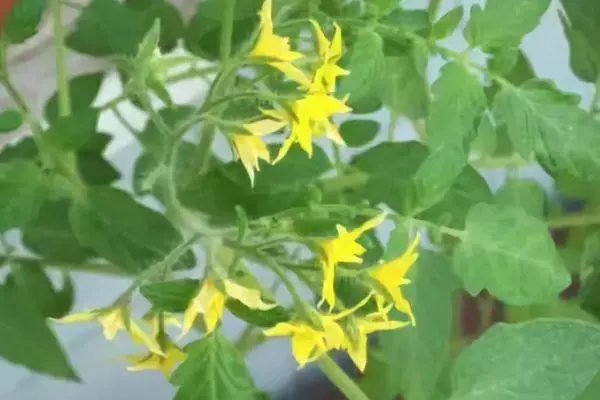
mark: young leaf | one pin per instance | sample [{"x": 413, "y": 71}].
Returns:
[
  {"x": 10, "y": 120},
  {"x": 511, "y": 254},
  {"x": 582, "y": 28},
  {"x": 30, "y": 278},
  {"x": 551, "y": 359},
  {"x": 170, "y": 296},
  {"x": 448, "y": 23},
  {"x": 359, "y": 132},
  {"x": 171, "y": 22},
  {"x": 22, "y": 193},
  {"x": 107, "y": 28},
  {"x": 22, "y": 20},
  {"x": 366, "y": 63},
  {"x": 260, "y": 318},
  {"x": 207, "y": 372},
  {"x": 458, "y": 99},
  {"x": 524, "y": 193},
  {"x": 134, "y": 243},
  {"x": 51, "y": 236},
  {"x": 404, "y": 89},
  {"x": 83, "y": 90},
  {"x": 411, "y": 359},
  {"x": 503, "y": 23},
  {"x": 542, "y": 120},
  {"x": 26, "y": 340}
]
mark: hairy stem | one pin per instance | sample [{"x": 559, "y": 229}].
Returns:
[{"x": 62, "y": 78}]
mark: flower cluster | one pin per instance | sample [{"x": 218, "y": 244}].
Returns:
[{"x": 307, "y": 116}]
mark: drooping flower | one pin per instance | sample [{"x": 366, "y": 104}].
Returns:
[
  {"x": 330, "y": 53},
  {"x": 357, "y": 348},
  {"x": 311, "y": 115},
  {"x": 249, "y": 146},
  {"x": 210, "y": 302},
  {"x": 114, "y": 319},
  {"x": 343, "y": 248},
  {"x": 276, "y": 49},
  {"x": 165, "y": 362},
  {"x": 391, "y": 275}
]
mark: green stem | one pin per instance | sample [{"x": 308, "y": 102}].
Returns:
[
  {"x": 62, "y": 79},
  {"x": 336, "y": 375},
  {"x": 574, "y": 220},
  {"x": 226, "y": 30},
  {"x": 115, "y": 110}
]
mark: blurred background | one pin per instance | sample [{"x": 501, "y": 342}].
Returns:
[{"x": 271, "y": 365}]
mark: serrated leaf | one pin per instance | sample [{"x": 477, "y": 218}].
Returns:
[
  {"x": 30, "y": 279},
  {"x": 447, "y": 23},
  {"x": 366, "y": 63},
  {"x": 10, "y": 120},
  {"x": 581, "y": 24},
  {"x": 458, "y": 100},
  {"x": 22, "y": 20},
  {"x": 22, "y": 193},
  {"x": 26, "y": 340},
  {"x": 83, "y": 90},
  {"x": 411, "y": 359},
  {"x": 404, "y": 89},
  {"x": 51, "y": 236},
  {"x": 511, "y": 254},
  {"x": 552, "y": 359},
  {"x": 503, "y": 23},
  {"x": 134, "y": 243},
  {"x": 213, "y": 370},
  {"x": 170, "y": 296},
  {"x": 94, "y": 36},
  {"x": 523, "y": 193},
  {"x": 359, "y": 132},
  {"x": 546, "y": 122}
]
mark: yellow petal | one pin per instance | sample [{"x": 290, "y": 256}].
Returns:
[
  {"x": 292, "y": 72},
  {"x": 304, "y": 345},
  {"x": 144, "y": 362},
  {"x": 322, "y": 41},
  {"x": 112, "y": 322},
  {"x": 250, "y": 297},
  {"x": 265, "y": 126},
  {"x": 86, "y": 316},
  {"x": 335, "y": 50},
  {"x": 173, "y": 357},
  {"x": 214, "y": 314},
  {"x": 369, "y": 326},
  {"x": 358, "y": 352},
  {"x": 328, "y": 293},
  {"x": 285, "y": 147},
  {"x": 335, "y": 338},
  {"x": 249, "y": 149},
  {"x": 393, "y": 272},
  {"x": 139, "y": 336},
  {"x": 189, "y": 317},
  {"x": 401, "y": 303},
  {"x": 369, "y": 224},
  {"x": 281, "y": 329},
  {"x": 266, "y": 22}
]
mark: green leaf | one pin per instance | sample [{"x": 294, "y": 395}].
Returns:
[
  {"x": 107, "y": 28},
  {"x": 404, "y": 89},
  {"x": 30, "y": 278},
  {"x": 73, "y": 132},
  {"x": 410, "y": 360},
  {"x": 365, "y": 60},
  {"x": 359, "y": 132},
  {"x": 458, "y": 100},
  {"x": 171, "y": 22},
  {"x": 447, "y": 23},
  {"x": 542, "y": 120},
  {"x": 170, "y": 296},
  {"x": 511, "y": 254},
  {"x": 10, "y": 120},
  {"x": 263, "y": 319},
  {"x": 485, "y": 142},
  {"x": 202, "y": 35},
  {"x": 437, "y": 174},
  {"x": 22, "y": 193},
  {"x": 51, "y": 236},
  {"x": 134, "y": 243},
  {"x": 83, "y": 90},
  {"x": 26, "y": 340},
  {"x": 523, "y": 193},
  {"x": 503, "y": 23},
  {"x": 582, "y": 28},
  {"x": 383, "y": 6},
  {"x": 22, "y": 20},
  {"x": 551, "y": 359},
  {"x": 24, "y": 149},
  {"x": 94, "y": 169},
  {"x": 207, "y": 372}
]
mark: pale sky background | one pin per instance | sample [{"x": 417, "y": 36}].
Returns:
[{"x": 271, "y": 365}]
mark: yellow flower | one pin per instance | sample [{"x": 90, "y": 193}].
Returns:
[
  {"x": 210, "y": 302},
  {"x": 114, "y": 319},
  {"x": 343, "y": 248},
  {"x": 311, "y": 114},
  {"x": 309, "y": 343},
  {"x": 166, "y": 362},
  {"x": 357, "y": 348},
  {"x": 249, "y": 148},
  {"x": 391, "y": 275},
  {"x": 330, "y": 53},
  {"x": 276, "y": 49}
]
